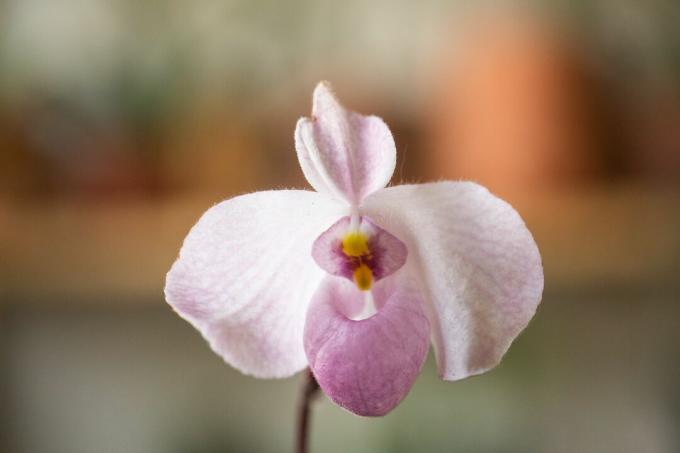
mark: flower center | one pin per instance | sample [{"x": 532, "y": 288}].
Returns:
[
  {"x": 355, "y": 244},
  {"x": 355, "y": 247},
  {"x": 360, "y": 251},
  {"x": 363, "y": 277}
]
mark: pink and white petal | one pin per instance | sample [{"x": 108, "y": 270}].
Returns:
[
  {"x": 342, "y": 153},
  {"x": 366, "y": 366},
  {"x": 244, "y": 277},
  {"x": 480, "y": 268}
]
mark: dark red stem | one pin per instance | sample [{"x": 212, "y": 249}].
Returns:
[{"x": 309, "y": 391}]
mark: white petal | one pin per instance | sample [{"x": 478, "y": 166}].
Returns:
[
  {"x": 479, "y": 265},
  {"x": 342, "y": 153},
  {"x": 245, "y": 276}
]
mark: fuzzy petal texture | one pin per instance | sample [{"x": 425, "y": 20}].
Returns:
[
  {"x": 244, "y": 277},
  {"x": 342, "y": 153},
  {"x": 388, "y": 253},
  {"x": 366, "y": 366},
  {"x": 479, "y": 267}
]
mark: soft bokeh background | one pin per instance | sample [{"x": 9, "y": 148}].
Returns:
[{"x": 121, "y": 121}]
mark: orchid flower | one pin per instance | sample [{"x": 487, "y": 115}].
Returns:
[{"x": 355, "y": 280}]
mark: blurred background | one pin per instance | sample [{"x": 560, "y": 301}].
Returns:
[{"x": 121, "y": 121}]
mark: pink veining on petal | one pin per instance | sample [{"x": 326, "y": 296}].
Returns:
[
  {"x": 244, "y": 277},
  {"x": 479, "y": 266},
  {"x": 342, "y": 153},
  {"x": 387, "y": 252},
  {"x": 366, "y": 366}
]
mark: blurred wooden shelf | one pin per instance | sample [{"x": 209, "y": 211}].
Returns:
[{"x": 118, "y": 252}]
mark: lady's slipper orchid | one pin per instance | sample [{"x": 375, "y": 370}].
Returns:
[{"x": 355, "y": 280}]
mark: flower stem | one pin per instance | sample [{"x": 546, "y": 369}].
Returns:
[{"x": 309, "y": 391}]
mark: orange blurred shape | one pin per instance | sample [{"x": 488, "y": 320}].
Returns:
[
  {"x": 213, "y": 152},
  {"x": 515, "y": 109}
]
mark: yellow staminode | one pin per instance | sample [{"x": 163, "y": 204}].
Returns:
[
  {"x": 355, "y": 244},
  {"x": 363, "y": 277}
]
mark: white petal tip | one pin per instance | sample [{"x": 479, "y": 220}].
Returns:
[{"x": 323, "y": 98}]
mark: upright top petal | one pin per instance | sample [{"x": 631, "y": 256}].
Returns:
[{"x": 342, "y": 153}]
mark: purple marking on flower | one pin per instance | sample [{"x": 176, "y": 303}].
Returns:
[
  {"x": 366, "y": 366},
  {"x": 385, "y": 254},
  {"x": 258, "y": 274}
]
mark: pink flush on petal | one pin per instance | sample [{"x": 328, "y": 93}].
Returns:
[
  {"x": 366, "y": 366},
  {"x": 363, "y": 253},
  {"x": 344, "y": 154}
]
